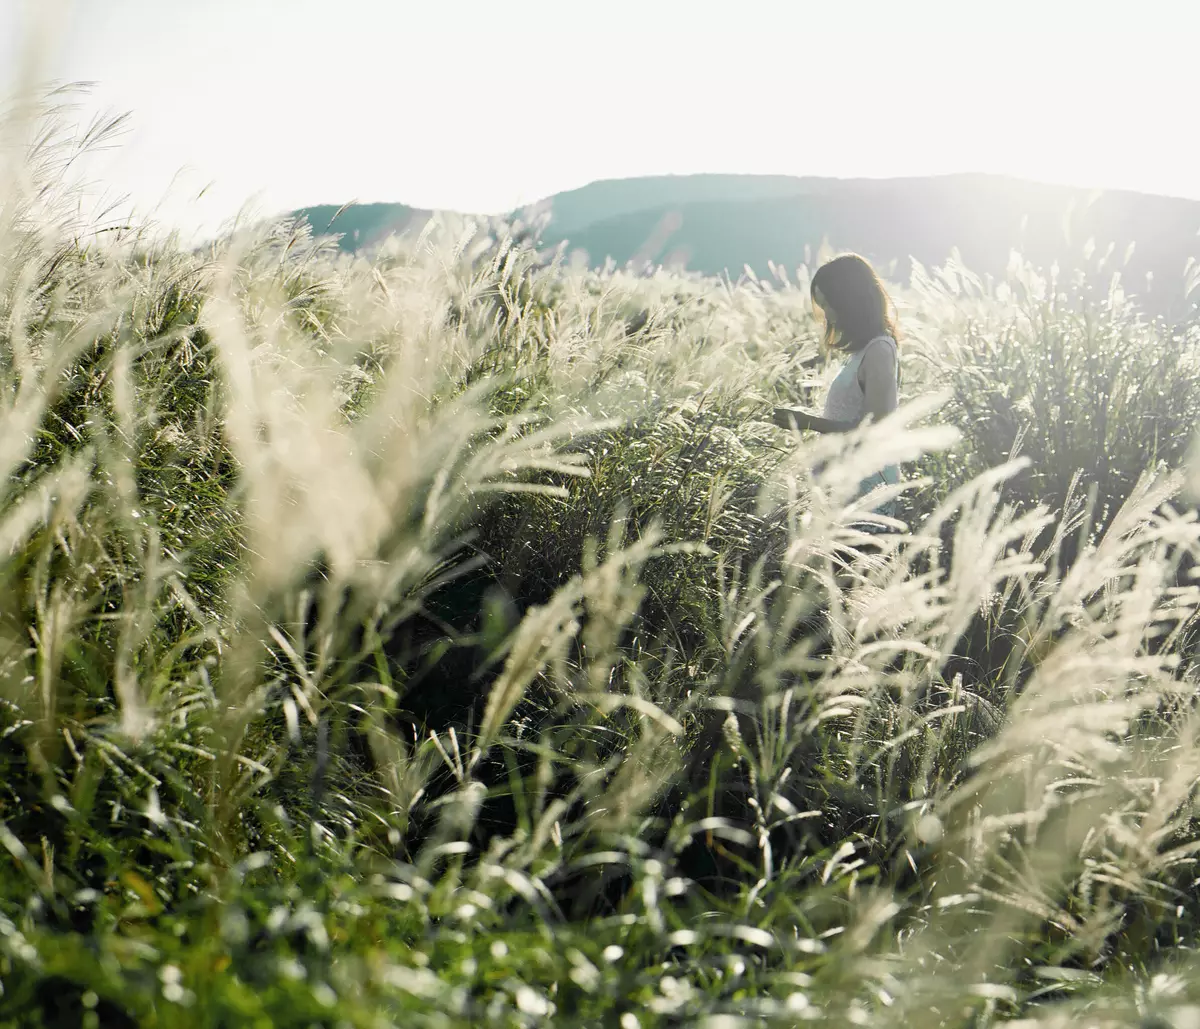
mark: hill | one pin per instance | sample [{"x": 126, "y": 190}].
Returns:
[
  {"x": 577, "y": 209},
  {"x": 721, "y": 223},
  {"x": 362, "y": 226}
]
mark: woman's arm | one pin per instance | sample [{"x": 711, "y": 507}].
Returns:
[
  {"x": 795, "y": 418},
  {"x": 878, "y": 377}
]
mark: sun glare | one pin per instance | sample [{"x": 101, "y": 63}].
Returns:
[{"x": 386, "y": 102}]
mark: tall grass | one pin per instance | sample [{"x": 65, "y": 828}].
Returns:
[{"x": 449, "y": 639}]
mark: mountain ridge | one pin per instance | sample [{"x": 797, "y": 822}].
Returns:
[{"x": 713, "y": 224}]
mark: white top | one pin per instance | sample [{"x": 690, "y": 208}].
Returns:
[{"x": 846, "y": 401}]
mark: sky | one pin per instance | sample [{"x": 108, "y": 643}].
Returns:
[{"x": 484, "y": 105}]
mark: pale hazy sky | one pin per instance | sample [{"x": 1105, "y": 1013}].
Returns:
[{"x": 482, "y": 105}]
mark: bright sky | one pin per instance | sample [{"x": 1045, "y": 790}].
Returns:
[{"x": 482, "y": 105}]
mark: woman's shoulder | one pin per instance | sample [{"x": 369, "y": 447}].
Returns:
[
  {"x": 880, "y": 357},
  {"x": 882, "y": 344}
]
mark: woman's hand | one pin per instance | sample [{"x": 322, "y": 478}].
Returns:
[{"x": 791, "y": 418}]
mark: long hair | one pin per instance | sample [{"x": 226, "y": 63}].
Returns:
[{"x": 856, "y": 305}]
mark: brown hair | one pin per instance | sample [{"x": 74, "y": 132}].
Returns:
[{"x": 856, "y": 305}]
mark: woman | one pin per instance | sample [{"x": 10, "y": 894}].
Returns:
[{"x": 859, "y": 323}]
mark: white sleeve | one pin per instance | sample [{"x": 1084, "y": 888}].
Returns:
[{"x": 894, "y": 351}]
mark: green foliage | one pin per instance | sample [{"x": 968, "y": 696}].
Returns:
[
  {"x": 1092, "y": 395},
  {"x": 449, "y": 639}
]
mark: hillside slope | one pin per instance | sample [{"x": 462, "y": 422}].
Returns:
[
  {"x": 1149, "y": 239},
  {"x": 362, "y": 226},
  {"x": 721, "y": 223}
]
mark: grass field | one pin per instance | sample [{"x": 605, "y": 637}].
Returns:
[{"x": 450, "y": 640}]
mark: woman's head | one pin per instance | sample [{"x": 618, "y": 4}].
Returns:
[{"x": 855, "y": 305}]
